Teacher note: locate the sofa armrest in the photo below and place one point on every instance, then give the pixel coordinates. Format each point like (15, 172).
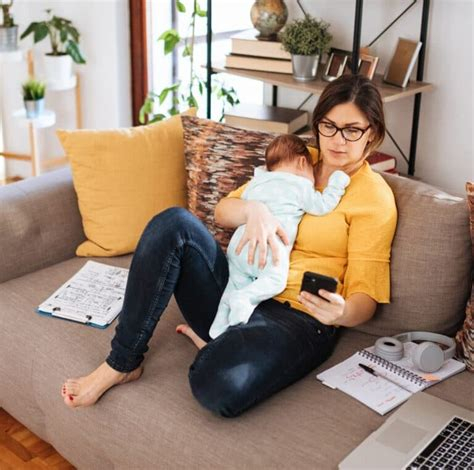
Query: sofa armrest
(40, 223)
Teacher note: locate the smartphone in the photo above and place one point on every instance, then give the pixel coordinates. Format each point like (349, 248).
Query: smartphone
(312, 282)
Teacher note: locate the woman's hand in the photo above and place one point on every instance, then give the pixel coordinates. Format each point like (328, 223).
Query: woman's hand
(261, 230)
(328, 310)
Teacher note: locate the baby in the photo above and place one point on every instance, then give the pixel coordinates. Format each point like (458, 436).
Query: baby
(286, 187)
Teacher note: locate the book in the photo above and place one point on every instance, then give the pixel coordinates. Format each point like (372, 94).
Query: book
(246, 43)
(381, 161)
(263, 64)
(399, 70)
(380, 394)
(93, 296)
(266, 118)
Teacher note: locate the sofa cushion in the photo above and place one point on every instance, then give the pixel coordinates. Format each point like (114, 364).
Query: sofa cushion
(122, 178)
(219, 158)
(155, 422)
(40, 223)
(465, 336)
(430, 262)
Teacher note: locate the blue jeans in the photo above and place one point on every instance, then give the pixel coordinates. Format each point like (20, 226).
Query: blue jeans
(279, 345)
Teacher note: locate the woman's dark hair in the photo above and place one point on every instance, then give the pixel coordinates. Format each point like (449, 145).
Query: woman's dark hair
(285, 148)
(364, 94)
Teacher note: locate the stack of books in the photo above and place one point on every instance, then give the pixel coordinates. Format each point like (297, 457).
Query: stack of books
(382, 162)
(248, 53)
(266, 118)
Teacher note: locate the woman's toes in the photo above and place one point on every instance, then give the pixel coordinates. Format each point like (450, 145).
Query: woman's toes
(69, 400)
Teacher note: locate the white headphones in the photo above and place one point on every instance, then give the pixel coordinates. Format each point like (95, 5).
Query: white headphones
(427, 356)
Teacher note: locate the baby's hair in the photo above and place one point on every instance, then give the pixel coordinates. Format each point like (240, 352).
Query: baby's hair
(285, 149)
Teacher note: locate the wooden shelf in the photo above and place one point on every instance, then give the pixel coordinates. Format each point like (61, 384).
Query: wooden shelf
(389, 92)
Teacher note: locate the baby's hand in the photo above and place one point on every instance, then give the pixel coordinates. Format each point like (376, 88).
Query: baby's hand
(339, 179)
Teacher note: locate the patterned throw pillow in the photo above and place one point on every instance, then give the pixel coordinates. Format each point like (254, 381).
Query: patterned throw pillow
(219, 158)
(465, 336)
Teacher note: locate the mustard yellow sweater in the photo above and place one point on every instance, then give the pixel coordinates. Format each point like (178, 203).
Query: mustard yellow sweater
(352, 243)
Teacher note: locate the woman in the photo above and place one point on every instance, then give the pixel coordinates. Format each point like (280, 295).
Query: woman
(290, 335)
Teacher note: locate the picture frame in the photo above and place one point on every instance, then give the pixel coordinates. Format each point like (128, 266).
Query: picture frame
(335, 64)
(340, 63)
(368, 65)
(348, 66)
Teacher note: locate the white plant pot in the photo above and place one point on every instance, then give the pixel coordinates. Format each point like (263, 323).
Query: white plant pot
(57, 69)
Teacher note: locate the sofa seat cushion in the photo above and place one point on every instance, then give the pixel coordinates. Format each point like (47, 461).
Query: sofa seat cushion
(155, 422)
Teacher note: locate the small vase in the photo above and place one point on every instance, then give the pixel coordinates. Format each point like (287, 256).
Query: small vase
(8, 38)
(268, 17)
(305, 67)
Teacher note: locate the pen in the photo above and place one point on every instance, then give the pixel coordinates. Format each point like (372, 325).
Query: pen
(376, 374)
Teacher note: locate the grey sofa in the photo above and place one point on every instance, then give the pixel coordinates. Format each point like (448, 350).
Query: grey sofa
(155, 422)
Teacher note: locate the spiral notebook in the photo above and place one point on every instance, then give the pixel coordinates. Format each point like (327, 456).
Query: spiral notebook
(378, 393)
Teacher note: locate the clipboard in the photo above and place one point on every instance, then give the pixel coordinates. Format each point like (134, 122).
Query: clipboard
(93, 296)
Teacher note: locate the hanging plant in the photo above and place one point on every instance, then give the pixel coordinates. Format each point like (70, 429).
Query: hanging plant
(183, 94)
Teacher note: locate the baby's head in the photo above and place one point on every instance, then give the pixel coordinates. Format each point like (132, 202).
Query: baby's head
(289, 153)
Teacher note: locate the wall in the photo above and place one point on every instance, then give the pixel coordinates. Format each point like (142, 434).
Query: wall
(445, 139)
(105, 79)
(445, 155)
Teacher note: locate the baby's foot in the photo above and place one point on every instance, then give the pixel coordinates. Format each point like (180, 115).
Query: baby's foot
(189, 332)
(85, 391)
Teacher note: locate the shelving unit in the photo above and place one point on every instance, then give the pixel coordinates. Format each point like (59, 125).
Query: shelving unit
(389, 93)
(46, 119)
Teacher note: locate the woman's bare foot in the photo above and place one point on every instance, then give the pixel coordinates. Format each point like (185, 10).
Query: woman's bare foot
(85, 391)
(189, 332)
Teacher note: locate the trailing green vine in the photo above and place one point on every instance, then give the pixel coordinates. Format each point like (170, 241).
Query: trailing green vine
(151, 110)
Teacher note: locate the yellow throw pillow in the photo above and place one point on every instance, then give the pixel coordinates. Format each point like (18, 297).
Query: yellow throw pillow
(123, 177)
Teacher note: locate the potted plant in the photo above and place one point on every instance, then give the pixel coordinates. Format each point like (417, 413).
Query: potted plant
(64, 38)
(33, 97)
(179, 96)
(306, 40)
(8, 29)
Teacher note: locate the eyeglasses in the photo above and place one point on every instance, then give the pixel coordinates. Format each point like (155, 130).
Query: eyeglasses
(350, 134)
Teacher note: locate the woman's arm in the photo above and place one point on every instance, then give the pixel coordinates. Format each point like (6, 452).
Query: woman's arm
(359, 308)
(334, 310)
(231, 212)
(261, 226)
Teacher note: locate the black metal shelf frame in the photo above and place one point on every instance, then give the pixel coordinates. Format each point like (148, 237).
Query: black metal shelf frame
(355, 59)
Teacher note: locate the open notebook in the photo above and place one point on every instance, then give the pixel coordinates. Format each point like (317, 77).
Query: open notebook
(93, 296)
(376, 392)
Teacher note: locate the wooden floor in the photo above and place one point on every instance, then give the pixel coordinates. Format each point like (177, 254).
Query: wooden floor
(21, 449)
